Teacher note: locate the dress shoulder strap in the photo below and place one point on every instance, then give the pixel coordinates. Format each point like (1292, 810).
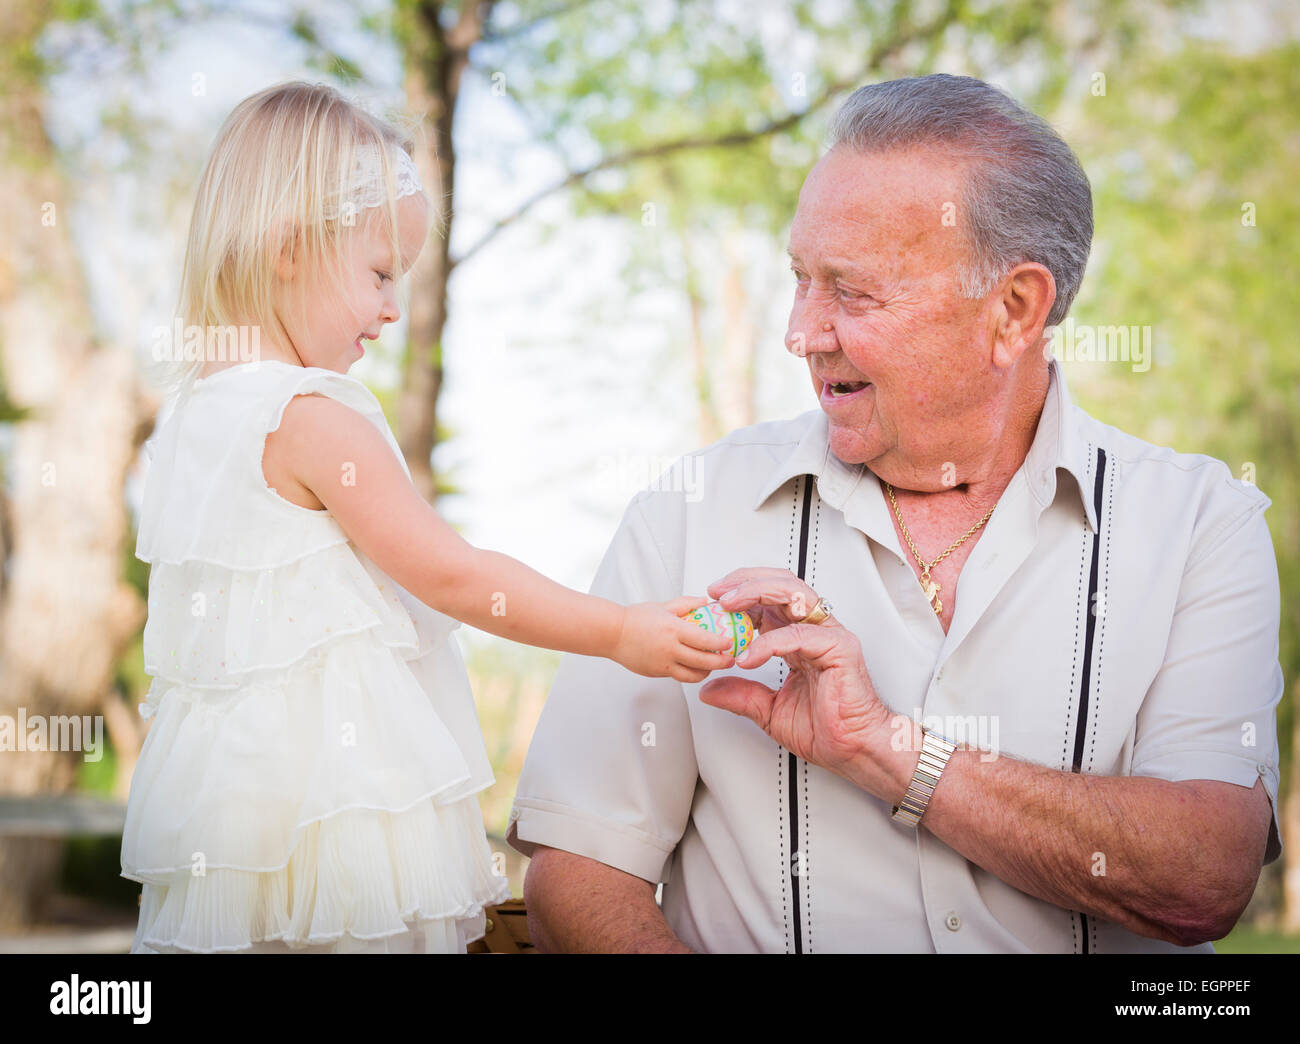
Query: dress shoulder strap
(309, 380)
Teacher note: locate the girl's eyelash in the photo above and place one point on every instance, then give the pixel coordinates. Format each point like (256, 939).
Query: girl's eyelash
(384, 275)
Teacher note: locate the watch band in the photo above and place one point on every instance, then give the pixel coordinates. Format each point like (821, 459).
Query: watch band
(935, 752)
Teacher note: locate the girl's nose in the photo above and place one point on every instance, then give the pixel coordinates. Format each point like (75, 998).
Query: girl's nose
(390, 312)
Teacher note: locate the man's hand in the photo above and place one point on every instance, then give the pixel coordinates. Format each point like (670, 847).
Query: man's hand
(827, 711)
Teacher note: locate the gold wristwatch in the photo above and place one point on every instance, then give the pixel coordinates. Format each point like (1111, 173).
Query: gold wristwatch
(935, 752)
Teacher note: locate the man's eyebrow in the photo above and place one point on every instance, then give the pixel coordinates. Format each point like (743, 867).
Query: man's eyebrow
(837, 268)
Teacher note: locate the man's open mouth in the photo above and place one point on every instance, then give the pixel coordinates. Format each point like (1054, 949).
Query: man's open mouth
(843, 389)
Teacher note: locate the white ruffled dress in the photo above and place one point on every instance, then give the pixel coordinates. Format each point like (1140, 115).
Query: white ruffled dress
(310, 779)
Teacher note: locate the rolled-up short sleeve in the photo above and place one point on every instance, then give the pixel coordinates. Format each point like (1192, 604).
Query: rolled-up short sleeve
(1211, 711)
(611, 771)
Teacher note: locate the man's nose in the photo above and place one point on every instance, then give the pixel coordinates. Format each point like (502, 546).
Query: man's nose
(811, 327)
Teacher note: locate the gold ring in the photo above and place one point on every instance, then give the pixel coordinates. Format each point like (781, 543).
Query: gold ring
(820, 612)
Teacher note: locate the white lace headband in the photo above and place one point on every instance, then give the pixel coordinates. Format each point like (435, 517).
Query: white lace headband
(366, 186)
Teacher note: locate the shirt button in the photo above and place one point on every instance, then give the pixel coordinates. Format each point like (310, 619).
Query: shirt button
(953, 922)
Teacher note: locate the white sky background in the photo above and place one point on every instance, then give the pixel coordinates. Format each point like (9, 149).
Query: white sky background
(551, 363)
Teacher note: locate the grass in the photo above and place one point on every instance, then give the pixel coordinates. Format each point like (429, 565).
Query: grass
(1249, 939)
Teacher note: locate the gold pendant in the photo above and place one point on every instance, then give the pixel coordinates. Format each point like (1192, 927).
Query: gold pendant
(931, 589)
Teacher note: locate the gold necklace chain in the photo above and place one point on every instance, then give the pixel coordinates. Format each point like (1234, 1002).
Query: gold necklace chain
(929, 586)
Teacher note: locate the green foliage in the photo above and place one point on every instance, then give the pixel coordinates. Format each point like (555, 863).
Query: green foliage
(703, 121)
(129, 673)
(92, 868)
(97, 777)
(1247, 939)
(319, 55)
(10, 411)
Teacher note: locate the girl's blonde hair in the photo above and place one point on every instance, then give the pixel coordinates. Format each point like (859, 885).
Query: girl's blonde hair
(277, 180)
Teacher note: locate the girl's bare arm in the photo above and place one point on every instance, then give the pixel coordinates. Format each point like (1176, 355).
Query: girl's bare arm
(348, 464)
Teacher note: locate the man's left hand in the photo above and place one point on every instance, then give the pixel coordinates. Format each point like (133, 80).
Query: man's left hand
(827, 711)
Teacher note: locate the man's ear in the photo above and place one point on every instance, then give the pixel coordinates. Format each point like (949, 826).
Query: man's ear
(1028, 294)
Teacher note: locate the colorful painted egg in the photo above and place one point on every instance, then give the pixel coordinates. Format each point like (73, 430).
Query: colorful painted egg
(738, 626)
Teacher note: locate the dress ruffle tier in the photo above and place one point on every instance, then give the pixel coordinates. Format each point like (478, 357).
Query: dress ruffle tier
(311, 775)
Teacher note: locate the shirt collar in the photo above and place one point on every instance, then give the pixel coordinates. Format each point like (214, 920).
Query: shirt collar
(1057, 444)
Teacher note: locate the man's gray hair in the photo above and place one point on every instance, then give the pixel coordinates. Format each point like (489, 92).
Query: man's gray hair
(1026, 199)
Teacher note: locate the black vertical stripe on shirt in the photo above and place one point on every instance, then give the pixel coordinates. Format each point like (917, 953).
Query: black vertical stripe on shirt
(792, 769)
(1090, 619)
(1090, 627)
(792, 773)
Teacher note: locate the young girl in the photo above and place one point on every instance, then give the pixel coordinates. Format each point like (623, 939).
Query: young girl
(310, 779)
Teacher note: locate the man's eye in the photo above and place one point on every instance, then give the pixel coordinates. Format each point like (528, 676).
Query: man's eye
(853, 295)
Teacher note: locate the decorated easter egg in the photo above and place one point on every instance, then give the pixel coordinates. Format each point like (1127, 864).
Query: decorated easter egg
(737, 626)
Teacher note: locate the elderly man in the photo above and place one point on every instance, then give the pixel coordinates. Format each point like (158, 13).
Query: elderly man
(1040, 716)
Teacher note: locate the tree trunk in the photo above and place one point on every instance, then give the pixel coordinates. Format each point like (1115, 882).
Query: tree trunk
(739, 341)
(66, 612)
(710, 425)
(435, 61)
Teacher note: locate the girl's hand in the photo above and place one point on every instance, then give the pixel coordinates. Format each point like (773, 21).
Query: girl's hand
(655, 641)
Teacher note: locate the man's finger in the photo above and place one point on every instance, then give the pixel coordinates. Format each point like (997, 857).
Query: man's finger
(740, 696)
(739, 576)
(790, 594)
(807, 640)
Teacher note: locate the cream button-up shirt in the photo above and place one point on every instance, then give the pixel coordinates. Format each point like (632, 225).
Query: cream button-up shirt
(1119, 616)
